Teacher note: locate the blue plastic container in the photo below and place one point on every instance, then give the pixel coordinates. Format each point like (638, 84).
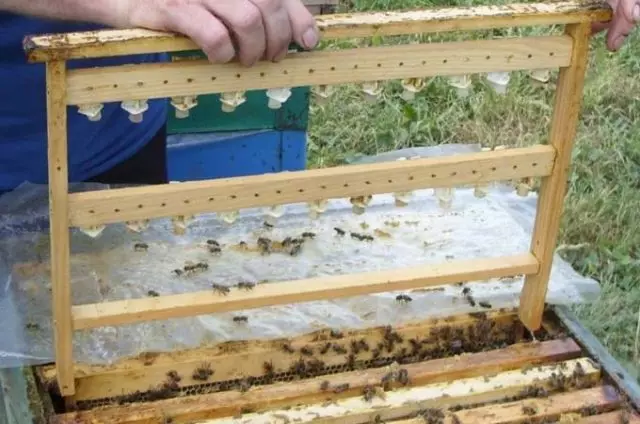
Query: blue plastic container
(234, 154)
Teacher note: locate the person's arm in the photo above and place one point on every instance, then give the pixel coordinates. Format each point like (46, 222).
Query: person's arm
(260, 29)
(626, 14)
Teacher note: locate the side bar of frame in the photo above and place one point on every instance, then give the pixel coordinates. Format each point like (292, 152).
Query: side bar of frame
(564, 125)
(59, 223)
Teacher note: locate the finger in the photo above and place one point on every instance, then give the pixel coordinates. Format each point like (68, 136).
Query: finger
(244, 22)
(203, 28)
(598, 27)
(624, 20)
(277, 28)
(303, 24)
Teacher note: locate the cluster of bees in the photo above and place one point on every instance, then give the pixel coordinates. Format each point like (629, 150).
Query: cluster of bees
(356, 236)
(289, 245)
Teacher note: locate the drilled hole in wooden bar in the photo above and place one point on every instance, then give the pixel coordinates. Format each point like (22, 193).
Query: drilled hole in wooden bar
(147, 81)
(206, 302)
(134, 41)
(94, 208)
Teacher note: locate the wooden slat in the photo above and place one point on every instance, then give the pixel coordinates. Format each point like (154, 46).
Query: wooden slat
(308, 391)
(156, 80)
(119, 205)
(618, 417)
(207, 302)
(564, 124)
(58, 218)
(401, 403)
(134, 41)
(600, 398)
(144, 371)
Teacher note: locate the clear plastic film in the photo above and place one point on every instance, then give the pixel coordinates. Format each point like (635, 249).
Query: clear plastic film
(109, 267)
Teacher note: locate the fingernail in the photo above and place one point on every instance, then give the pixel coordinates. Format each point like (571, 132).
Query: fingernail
(636, 12)
(617, 43)
(310, 38)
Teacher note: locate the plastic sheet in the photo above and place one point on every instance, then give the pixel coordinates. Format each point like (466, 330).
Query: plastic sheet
(108, 268)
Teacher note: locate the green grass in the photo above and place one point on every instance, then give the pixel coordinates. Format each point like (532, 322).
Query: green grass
(602, 215)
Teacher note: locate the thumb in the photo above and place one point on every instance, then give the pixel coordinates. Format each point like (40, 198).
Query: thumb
(303, 24)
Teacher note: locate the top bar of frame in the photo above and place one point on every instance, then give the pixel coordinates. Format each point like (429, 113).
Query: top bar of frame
(120, 42)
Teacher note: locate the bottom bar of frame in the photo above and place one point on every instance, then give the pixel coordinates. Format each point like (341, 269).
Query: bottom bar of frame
(206, 302)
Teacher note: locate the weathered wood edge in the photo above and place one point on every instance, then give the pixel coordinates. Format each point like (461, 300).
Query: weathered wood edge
(600, 354)
(115, 42)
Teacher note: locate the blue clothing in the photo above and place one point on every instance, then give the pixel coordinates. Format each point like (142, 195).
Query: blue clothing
(94, 147)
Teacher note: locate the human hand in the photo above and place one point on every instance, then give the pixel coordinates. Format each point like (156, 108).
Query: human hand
(626, 13)
(250, 30)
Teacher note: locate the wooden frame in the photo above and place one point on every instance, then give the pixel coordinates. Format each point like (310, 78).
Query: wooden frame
(569, 52)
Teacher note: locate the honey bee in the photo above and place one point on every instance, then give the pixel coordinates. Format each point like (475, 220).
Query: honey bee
(32, 326)
(403, 298)
(220, 289)
(336, 334)
(215, 250)
(386, 380)
(178, 272)
(324, 349)
(153, 293)
(264, 244)
(213, 243)
(203, 372)
(368, 393)
(306, 351)
(339, 349)
(363, 345)
(246, 285)
(267, 225)
(340, 231)
(287, 348)
(403, 377)
(241, 318)
(341, 388)
(308, 235)
(295, 250)
(141, 247)
(466, 291)
(355, 347)
(484, 304)
(267, 367)
(324, 386)
(173, 375)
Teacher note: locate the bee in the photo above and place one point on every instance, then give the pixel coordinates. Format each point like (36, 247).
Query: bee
(286, 242)
(212, 243)
(170, 385)
(173, 375)
(141, 247)
(220, 289)
(299, 368)
(356, 236)
(215, 250)
(153, 293)
(264, 244)
(244, 385)
(295, 250)
(403, 377)
(315, 366)
(340, 231)
(484, 304)
(267, 367)
(368, 393)
(364, 345)
(336, 334)
(403, 298)
(241, 318)
(355, 347)
(351, 361)
(267, 225)
(324, 349)
(386, 380)
(415, 346)
(339, 349)
(308, 235)
(466, 291)
(243, 245)
(341, 388)
(203, 372)
(32, 326)
(366, 237)
(287, 348)
(306, 351)
(178, 272)
(375, 354)
(471, 300)
(324, 386)
(245, 285)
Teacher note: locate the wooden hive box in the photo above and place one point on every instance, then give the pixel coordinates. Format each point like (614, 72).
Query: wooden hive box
(495, 366)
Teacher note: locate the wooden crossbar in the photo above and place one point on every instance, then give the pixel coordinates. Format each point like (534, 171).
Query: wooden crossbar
(84, 87)
(106, 43)
(230, 194)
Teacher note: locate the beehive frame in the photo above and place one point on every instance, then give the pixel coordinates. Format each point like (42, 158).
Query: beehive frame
(568, 52)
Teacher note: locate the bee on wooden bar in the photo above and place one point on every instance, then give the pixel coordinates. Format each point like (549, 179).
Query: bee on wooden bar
(141, 247)
(340, 231)
(484, 304)
(336, 334)
(403, 298)
(217, 288)
(308, 235)
(178, 272)
(213, 243)
(466, 291)
(153, 293)
(32, 326)
(341, 388)
(306, 351)
(315, 366)
(295, 250)
(241, 318)
(286, 347)
(203, 372)
(355, 347)
(246, 285)
(215, 250)
(386, 380)
(173, 375)
(324, 386)
(267, 225)
(403, 377)
(264, 245)
(339, 349)
(324, 349)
